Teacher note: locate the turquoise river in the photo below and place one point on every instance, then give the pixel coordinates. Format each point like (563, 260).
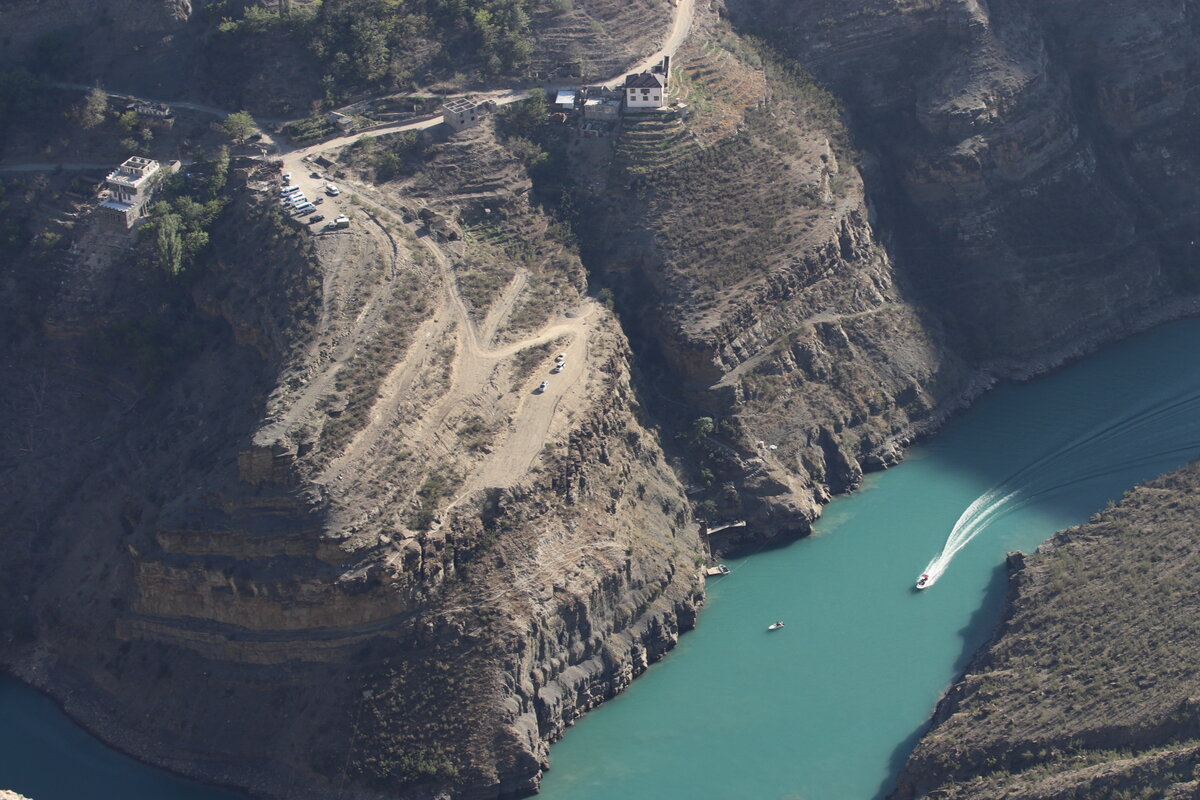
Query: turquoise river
(828, 707)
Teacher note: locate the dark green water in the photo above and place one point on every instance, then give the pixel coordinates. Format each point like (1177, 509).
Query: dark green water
(828, 707)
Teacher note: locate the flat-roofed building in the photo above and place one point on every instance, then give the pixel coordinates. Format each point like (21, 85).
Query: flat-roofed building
(130, 188)
(462, 113)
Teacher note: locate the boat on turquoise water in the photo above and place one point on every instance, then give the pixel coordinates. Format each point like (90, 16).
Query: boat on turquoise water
(774, 626)
(923, 581)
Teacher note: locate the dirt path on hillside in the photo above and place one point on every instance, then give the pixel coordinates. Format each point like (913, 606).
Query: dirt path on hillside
(474, 383)
(681, 26)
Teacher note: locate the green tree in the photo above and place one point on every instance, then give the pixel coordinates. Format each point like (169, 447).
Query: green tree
(239, 126)
(92, 110)
(702, 427)
(220, 170)
(169, 243)
(127, 121)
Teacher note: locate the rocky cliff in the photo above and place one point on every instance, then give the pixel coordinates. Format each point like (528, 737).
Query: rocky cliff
(971, 195)
(1088, 687)
(326, 493)
(342, 514)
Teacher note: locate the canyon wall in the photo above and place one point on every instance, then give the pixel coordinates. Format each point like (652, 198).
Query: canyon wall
(326, 515)
(944, 194)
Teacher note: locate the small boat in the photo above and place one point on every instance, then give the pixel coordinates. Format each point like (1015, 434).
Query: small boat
(719, 569)
(774, 626)
(923, 581)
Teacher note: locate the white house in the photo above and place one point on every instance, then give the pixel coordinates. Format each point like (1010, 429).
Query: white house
(646, 90)
(130, 187)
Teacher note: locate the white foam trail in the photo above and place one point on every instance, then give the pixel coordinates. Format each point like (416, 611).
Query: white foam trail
(1002, 500)
(981, 513)
(1014, 493)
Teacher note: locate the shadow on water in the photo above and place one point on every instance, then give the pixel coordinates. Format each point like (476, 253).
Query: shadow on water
(981, 627)
(978, 631)
(1124, 415)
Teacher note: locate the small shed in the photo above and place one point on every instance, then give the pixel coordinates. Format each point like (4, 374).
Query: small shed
(344, 122)
(598, 108)
(565, 100)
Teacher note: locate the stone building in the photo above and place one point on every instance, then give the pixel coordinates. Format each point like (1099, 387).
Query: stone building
(130, 188)
(462, 113)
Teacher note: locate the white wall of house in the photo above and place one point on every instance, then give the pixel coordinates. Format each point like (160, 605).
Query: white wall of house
(652, 97)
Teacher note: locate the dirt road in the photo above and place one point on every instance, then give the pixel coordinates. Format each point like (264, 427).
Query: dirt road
(681, 25)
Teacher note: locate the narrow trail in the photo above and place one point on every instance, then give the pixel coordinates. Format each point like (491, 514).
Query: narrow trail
(472, 386)
(734, 375)
(503, 307)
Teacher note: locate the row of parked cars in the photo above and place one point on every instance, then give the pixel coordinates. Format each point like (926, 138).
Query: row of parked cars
(560, 363)
(294, 197)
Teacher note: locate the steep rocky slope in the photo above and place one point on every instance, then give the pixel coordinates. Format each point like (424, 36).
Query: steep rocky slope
(744, 256)
(343, 517)
(983, 195)
(1088, 689)
(1043, 151)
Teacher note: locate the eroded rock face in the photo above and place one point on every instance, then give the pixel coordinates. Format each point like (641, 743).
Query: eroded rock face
(1014, 140)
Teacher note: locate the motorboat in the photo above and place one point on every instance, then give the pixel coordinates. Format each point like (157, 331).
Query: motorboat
(923, 581)
(774, 626)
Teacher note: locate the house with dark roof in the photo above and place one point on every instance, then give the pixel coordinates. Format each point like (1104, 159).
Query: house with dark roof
(648, 90)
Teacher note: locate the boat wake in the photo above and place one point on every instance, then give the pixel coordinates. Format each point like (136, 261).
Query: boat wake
(1147, 435)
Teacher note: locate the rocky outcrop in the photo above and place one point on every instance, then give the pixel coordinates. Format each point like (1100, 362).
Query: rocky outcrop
(1010, 116)
(1087, 688)
(759, 282)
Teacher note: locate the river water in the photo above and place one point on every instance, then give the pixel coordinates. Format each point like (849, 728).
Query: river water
(828, 707)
